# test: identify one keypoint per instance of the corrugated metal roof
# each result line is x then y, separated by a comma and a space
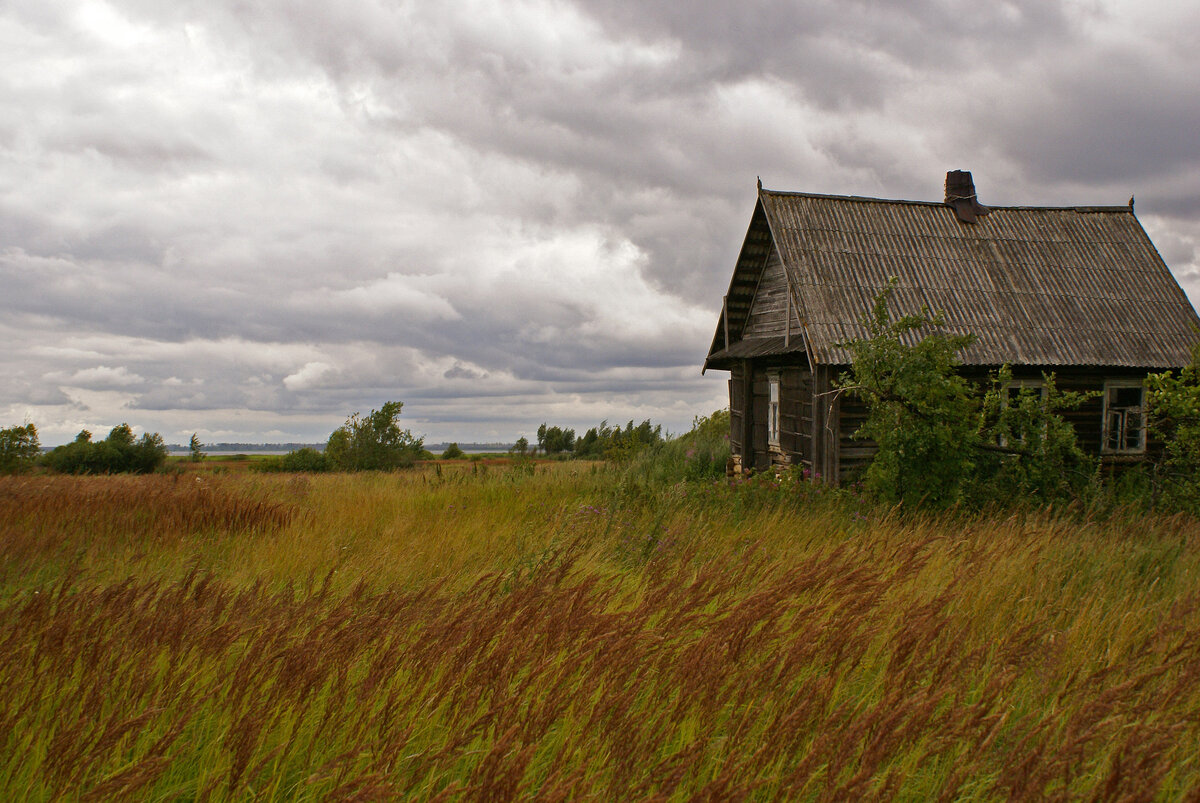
757, 347
1035, 285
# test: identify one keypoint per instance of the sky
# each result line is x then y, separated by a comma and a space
248, 220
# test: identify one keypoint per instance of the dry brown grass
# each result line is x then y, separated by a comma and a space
781, 654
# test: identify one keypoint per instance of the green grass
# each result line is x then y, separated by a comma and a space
470, 631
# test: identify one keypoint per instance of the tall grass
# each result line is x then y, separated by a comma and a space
559, 636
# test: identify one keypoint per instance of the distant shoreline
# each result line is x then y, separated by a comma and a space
224, 449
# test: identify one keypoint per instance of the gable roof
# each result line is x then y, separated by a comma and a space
1047, 286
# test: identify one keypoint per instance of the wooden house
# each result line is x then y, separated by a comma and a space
1080, 291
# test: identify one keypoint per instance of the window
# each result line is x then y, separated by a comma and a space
1124, 424
1012, 390
1011, 398
773, 412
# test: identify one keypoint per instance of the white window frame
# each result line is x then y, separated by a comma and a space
1105, 422
773, 391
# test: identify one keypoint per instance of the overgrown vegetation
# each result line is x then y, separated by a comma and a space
374, 442
195, 449
603, 442
119, 453
941, 442
503, 635
19, 448
1174, 403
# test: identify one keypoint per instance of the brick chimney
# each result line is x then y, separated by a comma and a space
960, 195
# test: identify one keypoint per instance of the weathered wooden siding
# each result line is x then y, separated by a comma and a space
817, 427
826, 424
855, 454
769, 309
1088, 418
761, 455
795, 415
736, 405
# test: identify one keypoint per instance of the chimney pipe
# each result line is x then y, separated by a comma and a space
960, 195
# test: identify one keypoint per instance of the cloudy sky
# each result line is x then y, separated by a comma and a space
249, 219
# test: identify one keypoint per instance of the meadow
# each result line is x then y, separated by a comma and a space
558, 632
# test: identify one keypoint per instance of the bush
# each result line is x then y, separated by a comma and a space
1036, 454
939, 444
453, 453
1173, 402
553, 440
119, 453
617, 444
19, 448
306, 459
699, 454
374, 442
920, 411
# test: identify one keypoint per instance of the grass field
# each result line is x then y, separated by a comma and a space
470, 631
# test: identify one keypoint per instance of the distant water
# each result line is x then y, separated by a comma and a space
223, 453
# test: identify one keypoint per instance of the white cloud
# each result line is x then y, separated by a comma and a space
102, 377
256, 218
307, 377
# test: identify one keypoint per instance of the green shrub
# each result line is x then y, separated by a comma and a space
1037, 454
306, 459
939, 444
920, 410
119, 453
19, 448
374, 442
453, 453
699, 454
1173, 402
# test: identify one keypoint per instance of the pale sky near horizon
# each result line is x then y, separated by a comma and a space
248, 220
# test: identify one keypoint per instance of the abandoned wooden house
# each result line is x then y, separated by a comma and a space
1079, 291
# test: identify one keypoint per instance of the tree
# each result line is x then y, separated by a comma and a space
19, 448
453, 453
939, 444
553, 440
521, 447
120, 452
1029, 451
1173, 402
195, 453
920, 411
374, 442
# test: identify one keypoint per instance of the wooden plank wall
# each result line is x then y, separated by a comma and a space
795, 415
826, 425
769, 308
736, 407
762, 458
817, 428
1088, 418
855, 454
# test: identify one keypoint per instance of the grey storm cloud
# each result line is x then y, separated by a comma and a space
251, 219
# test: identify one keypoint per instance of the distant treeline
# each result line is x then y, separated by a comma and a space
248, 447
470, 447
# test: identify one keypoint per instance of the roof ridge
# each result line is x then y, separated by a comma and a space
1084, 208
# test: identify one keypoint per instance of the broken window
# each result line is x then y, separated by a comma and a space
1124, 423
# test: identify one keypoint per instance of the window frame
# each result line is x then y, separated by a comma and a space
774, 393
1114, 384
1019, 385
